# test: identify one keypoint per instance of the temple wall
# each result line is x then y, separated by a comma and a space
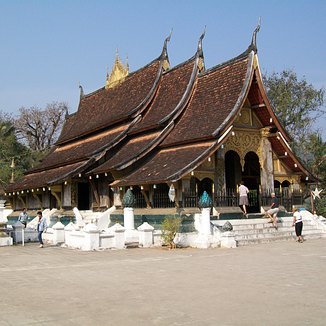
103, 189
45, 200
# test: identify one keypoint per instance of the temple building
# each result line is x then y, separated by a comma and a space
168, 133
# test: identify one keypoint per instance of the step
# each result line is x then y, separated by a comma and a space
245, 242
274, 234
270, 228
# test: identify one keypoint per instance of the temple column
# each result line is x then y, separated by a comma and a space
219, 172
266, 161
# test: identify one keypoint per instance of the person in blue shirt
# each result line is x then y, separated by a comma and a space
23, 217
41, 227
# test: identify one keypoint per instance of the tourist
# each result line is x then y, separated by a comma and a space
243, 201
272, 212
41, 227
23, 217
297, 222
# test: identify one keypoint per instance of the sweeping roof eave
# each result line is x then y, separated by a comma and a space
45, 178
148, 144
287, 157
267, 106
170, 165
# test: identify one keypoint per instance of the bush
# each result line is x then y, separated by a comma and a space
320, 206
170, 228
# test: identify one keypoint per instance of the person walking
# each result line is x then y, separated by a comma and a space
298, 224
274, 209
23, 217
243, 200
41, 227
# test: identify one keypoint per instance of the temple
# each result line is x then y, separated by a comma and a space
169, 134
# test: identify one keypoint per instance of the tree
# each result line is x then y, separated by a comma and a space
298, 105
39, 128
15, 158
296, 102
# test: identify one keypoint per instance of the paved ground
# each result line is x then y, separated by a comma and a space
282, 283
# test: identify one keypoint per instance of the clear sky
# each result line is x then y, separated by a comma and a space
48, 47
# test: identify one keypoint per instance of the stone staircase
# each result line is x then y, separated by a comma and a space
258, 230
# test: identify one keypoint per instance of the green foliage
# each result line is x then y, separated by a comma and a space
298, 105
316, 160
170, 227
320, 205
296, 102
14, 157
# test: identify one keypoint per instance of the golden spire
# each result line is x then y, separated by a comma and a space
118, 72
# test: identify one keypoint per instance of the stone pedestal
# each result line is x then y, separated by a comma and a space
18, 228
92, 237
67, 232
228, 240
58, 233
3, 218
145, 235
4, 239
119, 236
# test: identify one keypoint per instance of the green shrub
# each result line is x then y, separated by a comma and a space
320, 206
170, 228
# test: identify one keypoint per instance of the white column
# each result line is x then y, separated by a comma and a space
128, 218
203, 226
205, 221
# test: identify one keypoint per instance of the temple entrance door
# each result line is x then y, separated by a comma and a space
251, 178
83, 196
205, 185
232, 170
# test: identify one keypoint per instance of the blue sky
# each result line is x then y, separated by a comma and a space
48, 47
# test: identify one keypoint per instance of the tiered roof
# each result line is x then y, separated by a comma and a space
159, 124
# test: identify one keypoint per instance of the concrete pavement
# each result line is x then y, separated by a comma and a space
279, 283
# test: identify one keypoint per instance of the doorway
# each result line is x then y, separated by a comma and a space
251, 178
83, 196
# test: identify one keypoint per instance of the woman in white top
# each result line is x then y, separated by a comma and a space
243, 200
297, 222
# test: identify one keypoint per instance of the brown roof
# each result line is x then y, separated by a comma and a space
169, 164
44, 178
172, 87
108, 106
128, 150
80, 149
215, 96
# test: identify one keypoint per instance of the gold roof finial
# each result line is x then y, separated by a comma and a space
118, 72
